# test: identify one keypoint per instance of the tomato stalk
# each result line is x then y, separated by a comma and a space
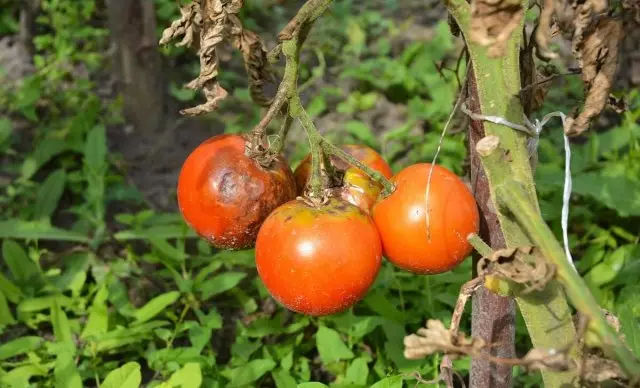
331, 149
505, 160
292, 37
287, 101
513, 198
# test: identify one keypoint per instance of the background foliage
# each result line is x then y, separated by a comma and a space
98, 286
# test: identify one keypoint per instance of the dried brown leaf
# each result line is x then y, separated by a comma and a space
598, 57
214, 21
256, 63
493, 22
523, 265
436, 338
188, 25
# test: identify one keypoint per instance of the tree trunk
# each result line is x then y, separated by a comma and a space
28, 12
137, 63
493, 316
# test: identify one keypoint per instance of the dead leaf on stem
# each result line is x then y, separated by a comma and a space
214, 21
595, 37
493, 22
436, 338
188, 25
524, 265
598, 57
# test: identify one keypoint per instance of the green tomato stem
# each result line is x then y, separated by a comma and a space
331, 149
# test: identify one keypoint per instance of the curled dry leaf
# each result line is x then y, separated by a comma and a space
524, 265
595, 37
493, 22
214, 21
188, 25
436, 338
599, 60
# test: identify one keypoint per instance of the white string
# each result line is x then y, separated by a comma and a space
533, 130
435, 157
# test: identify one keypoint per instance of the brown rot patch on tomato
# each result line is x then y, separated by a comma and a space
228, 187
225, 195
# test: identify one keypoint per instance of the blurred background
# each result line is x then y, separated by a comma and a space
98, 268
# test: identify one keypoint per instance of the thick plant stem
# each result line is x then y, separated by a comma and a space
546, 313
493, 316
512, 196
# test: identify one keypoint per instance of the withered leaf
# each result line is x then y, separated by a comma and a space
598, 57
436, 338
493, 22
188, 25
214, 21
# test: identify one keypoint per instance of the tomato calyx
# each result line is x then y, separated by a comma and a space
256, 149
315, 201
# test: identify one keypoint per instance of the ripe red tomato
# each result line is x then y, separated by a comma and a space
401, 220
357, 188
224, 195
318, 260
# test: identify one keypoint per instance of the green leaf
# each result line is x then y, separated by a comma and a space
49, 194
127, 336
249, 372
26, 273
156, 232
66, 372
220, 283
61, 327
331, 347
32, 230
312, 385
283, 379
10, 290
19, 377
608, 269
46, 150
127, 376
95, 149
6, 316
389, 382
361, 131
155, 306
19, 346
630, 328
379, 303
189, 376
33, 305
98, 320
358, 372
167, 249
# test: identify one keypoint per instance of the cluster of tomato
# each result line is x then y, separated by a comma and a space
321, 258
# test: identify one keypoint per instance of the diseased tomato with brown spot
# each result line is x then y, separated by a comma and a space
357, 188
318, 260
224, 195
402, 223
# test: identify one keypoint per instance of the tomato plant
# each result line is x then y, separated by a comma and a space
318, 259
356, 187
402, 222
224, 195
